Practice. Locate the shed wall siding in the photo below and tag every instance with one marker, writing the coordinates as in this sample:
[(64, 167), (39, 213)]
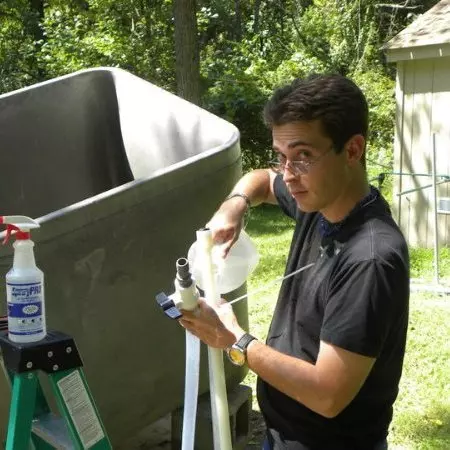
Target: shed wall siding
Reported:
[(423, 107), (441, 126)]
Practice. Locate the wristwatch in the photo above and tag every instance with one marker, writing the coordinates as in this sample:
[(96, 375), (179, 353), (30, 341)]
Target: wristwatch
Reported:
[(237, 353)]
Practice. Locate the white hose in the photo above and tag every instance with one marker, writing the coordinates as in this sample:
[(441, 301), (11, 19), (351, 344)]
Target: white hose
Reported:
[(219, 403), (217, 386), (190, 390)]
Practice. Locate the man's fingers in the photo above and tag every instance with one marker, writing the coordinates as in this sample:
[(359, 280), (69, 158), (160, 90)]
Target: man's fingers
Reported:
[(190, 314), (193, 315), (224, 238), (187, 325), (186, 319), (222, 233), (222, 302), (226, 249)]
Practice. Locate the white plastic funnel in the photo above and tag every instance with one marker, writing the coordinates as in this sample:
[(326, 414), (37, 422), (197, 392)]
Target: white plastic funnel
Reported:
[(232, 271)]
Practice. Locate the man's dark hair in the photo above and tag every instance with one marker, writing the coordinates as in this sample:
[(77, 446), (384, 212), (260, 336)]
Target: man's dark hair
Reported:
[(334, 100)]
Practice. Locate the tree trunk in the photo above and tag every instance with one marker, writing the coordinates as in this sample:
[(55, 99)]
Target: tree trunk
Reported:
[(33, 28), (37, 7), (186, 50), (238, 15), (256, 13)]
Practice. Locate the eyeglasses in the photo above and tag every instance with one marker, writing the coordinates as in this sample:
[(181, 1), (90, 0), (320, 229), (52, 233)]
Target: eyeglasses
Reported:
[(298, 167)]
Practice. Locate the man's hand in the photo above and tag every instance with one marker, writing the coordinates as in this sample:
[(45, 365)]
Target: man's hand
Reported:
[(216, 326), (226, 224), (325, 387)]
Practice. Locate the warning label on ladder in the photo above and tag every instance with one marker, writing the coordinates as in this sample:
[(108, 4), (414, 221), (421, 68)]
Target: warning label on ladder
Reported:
[(81, 409)]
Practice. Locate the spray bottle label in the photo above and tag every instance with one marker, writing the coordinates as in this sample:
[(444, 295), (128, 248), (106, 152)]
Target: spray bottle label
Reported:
[(24, 308)]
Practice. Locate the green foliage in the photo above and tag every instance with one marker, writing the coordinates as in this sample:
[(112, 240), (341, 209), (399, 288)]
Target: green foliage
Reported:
[(241, 103), (247, 50), (321, 36), (379, 90), (17, 49), (126, 34)]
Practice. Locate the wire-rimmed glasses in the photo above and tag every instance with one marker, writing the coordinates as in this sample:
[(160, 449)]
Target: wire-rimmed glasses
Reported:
[(296, 167)]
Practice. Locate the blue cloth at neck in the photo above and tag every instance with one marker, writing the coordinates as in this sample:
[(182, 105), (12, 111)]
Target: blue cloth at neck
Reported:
[(330, 229)]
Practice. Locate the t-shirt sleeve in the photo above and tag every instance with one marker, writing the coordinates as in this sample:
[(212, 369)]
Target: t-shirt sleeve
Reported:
[(360, 307), (284, 198)]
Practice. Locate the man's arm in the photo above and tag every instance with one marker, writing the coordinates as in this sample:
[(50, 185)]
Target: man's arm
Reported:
[(226, 223), (257, 185), (326, 387)]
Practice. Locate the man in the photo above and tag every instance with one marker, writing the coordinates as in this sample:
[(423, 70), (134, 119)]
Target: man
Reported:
[(328, 374)]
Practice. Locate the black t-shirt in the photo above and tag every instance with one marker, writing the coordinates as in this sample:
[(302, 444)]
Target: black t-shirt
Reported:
[(354, 297)]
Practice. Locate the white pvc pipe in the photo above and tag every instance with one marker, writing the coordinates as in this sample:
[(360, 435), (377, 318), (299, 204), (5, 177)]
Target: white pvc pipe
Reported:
[(217, 386), (192, 374)]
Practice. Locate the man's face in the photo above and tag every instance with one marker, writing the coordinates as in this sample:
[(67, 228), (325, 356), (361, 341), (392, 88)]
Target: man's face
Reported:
[(327, 172)]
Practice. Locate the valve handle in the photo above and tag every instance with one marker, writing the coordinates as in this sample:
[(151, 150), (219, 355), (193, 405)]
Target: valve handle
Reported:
[(168, 306)]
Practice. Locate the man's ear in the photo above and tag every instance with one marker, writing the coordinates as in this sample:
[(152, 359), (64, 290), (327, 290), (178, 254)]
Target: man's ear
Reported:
[(354, 149)]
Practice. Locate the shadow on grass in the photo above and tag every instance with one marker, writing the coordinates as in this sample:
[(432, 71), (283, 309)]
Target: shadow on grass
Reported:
[(268, 219), (431, 430)]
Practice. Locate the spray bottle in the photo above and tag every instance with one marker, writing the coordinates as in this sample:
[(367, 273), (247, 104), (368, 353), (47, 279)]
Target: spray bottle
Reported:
[(24, 284)]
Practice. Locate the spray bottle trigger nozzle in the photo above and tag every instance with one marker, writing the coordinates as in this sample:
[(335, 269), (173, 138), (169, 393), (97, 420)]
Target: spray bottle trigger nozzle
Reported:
[(9, 229)]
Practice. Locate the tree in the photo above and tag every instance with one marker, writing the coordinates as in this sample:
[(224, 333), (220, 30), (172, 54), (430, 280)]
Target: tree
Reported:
[(186, 50), (18, 66), (247, 49), (135, 35)]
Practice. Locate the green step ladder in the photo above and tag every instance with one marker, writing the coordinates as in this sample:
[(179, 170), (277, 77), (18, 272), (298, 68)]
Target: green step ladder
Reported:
[(32, 425)]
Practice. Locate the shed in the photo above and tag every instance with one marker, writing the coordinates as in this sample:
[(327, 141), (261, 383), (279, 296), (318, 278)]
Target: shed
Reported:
[(422, 54)]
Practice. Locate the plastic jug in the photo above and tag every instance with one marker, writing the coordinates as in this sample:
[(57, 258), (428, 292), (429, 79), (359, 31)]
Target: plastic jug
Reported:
[(232, 271)]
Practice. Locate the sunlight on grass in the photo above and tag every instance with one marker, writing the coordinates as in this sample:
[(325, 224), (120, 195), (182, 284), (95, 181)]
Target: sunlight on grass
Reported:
[(422, 410), (422, 266)]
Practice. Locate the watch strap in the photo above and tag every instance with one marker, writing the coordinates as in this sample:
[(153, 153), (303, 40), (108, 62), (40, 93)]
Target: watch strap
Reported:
[(244, 341), (240, 194)]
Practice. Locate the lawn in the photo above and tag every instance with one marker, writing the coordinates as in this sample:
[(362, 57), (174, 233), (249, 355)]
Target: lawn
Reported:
[(422, 410)]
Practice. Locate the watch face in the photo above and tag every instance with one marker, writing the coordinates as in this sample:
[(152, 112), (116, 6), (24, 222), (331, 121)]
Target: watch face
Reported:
[(236, 356)]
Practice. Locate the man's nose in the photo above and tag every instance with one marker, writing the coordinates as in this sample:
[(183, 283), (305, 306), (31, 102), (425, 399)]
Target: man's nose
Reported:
[(288, 174)]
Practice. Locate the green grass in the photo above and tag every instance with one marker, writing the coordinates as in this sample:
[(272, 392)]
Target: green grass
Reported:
[(422, 263), (422, 410)]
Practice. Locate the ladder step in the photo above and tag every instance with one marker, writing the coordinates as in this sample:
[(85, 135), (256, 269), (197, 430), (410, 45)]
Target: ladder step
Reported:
[(53, 430)]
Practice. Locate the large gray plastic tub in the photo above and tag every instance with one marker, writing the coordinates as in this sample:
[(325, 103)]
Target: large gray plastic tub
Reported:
[(120, 174)]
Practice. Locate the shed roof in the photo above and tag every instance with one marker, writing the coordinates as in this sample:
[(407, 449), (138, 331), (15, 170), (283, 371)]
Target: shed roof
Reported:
[(431, 28)]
